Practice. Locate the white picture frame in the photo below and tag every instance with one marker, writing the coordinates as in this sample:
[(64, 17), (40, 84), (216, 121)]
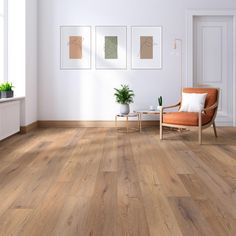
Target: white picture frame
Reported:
[(118, 55), (77, 57), (146, 47)]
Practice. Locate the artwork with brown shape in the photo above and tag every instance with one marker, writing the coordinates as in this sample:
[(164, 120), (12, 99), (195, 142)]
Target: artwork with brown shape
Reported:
[(75, 47), (146, 47)]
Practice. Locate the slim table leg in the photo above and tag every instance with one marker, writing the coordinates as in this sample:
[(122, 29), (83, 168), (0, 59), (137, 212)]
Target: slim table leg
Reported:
[(116, 122), (140, 122), (127, 124)]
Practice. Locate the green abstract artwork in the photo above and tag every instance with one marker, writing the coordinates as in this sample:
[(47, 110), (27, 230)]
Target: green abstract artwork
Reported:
[(111, 47)]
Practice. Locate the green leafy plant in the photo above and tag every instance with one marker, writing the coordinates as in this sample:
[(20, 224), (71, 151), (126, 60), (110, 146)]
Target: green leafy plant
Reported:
[(6, 86), (124, 95), (160, 101)]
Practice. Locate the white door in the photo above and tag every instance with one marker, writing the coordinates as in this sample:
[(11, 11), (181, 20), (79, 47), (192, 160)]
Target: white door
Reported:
[(213, 60)]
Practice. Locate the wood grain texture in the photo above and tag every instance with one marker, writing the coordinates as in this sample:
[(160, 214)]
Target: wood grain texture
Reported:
[(97, 181)]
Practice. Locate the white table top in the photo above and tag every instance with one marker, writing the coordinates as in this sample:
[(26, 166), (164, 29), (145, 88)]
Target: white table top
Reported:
[(134, 114), (148, 111)]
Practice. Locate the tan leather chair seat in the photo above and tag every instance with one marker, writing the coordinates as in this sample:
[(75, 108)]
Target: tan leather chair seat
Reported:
[(185, 118)]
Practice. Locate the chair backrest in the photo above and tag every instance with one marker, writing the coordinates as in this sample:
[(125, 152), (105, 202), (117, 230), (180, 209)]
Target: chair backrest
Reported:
[(211, 99)]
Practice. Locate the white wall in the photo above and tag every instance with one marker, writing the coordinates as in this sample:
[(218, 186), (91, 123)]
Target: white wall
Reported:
[(88, 95)]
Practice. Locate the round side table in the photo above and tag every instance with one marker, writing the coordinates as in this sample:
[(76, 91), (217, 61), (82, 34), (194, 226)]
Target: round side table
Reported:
[(130, 115)]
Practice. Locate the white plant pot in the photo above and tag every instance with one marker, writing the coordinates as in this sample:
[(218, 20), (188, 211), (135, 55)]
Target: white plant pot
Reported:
[(159, 108), (124, 109)]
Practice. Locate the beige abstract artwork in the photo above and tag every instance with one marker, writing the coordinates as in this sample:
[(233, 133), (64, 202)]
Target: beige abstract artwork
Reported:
[(75, 47), (146, 47)]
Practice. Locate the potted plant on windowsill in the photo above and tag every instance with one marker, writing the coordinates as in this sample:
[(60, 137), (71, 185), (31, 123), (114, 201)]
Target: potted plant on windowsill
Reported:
[(124, 96), (6, 90)]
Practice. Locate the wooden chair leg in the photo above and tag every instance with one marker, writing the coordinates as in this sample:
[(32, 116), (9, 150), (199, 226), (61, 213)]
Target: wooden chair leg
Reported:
[(200, 128), (161, 127), (214, 128), (200, 135), (161, 132)]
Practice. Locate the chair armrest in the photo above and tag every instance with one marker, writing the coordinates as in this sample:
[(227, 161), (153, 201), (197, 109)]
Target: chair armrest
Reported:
[(164, 108), (204, 110), (210, 108), (168, 107)]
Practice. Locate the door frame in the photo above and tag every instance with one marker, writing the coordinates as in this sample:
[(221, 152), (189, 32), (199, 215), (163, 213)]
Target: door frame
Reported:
[(189, 47)]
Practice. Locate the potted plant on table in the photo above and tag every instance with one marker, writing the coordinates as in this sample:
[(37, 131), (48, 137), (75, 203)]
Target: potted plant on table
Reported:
[(124, 96), (160, 103), (6, 90)]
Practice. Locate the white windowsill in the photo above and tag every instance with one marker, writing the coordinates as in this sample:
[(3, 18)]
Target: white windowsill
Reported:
[(2, 100)]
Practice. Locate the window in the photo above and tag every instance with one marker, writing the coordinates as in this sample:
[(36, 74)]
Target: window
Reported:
[(3, 36)]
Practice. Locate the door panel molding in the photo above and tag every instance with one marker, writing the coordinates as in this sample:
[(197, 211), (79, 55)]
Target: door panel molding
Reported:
[(204, 49)]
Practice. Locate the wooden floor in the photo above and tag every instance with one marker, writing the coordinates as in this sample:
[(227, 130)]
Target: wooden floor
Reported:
[(95, 181)]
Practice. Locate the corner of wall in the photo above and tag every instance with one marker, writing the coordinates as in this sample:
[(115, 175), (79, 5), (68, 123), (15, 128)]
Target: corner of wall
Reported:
[(31, 80)]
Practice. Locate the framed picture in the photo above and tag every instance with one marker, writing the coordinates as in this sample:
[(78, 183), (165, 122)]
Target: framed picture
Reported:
[(146, 47), (111, 47), (75, 47)]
